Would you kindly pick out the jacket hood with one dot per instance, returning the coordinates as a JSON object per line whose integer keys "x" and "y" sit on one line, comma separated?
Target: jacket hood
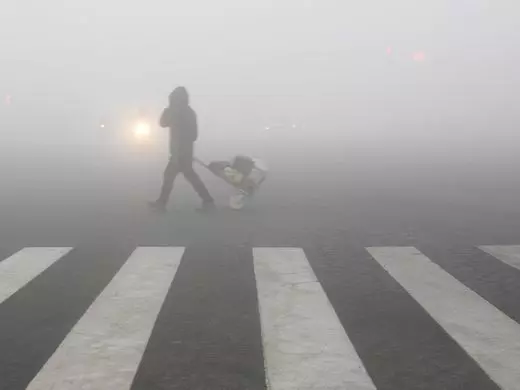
{"x": 179, "y": 97}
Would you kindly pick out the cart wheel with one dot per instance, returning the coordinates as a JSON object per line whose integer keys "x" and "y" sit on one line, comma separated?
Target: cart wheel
{"x": 236, "y": 202}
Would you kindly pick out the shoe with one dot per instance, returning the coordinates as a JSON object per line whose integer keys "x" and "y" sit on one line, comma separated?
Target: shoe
{"x": 157, "y": 207}
{"x": 207, "y": 207}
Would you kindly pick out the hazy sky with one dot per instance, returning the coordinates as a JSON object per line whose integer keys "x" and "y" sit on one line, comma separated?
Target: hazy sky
{"x": 336, "y": 64}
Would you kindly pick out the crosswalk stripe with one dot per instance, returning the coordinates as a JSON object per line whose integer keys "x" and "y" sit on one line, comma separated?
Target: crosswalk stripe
{"x": 207, "y": 335}
{"x": 509, "y": 254}
{"x": 104, "y": 348}
{"x": 490, "y": 337}
{"x": 401, "y": 346}
{"x": 23, "y": 266}
{"x": 305, "y": 345}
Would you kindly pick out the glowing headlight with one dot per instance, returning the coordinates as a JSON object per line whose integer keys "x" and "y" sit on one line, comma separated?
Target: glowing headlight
{"x": 142, "y": 130}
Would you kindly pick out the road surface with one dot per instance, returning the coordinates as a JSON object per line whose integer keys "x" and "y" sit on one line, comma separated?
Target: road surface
{"x": 389, "y": 279}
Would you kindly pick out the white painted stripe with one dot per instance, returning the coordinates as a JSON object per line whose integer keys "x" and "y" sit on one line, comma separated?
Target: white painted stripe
{"x": 305, "y": 345}
{"x": 509, "y": 254}
{"x": 22, "y": 267}
{"x": 489, "y": 336}
{"x": 104, "y": 348}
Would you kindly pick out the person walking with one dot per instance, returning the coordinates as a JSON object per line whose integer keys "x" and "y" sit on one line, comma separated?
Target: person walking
{"x": 181, "y": 119}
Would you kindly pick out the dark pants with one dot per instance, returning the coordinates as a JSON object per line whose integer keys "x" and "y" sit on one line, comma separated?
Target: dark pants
{"x": 182, "y": 162}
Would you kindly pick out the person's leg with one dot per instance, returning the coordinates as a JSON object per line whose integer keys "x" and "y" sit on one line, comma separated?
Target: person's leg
{"x": 186, "y": 167}
{"x": 170, "y": 173}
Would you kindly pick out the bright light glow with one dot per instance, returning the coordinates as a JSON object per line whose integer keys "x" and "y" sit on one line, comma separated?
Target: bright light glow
{"x": 102, "y": 125}
{"x": 142, "y": 131}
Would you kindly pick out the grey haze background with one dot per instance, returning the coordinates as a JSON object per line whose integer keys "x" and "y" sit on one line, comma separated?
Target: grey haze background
{"x": 343, "y": 71}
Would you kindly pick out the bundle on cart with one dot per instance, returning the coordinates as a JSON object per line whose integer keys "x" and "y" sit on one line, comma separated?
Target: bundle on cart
{"x": 244, "y": 173}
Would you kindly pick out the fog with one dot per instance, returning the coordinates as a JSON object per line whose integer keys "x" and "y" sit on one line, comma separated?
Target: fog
{"x": 430, "y": 86}
{"x": 382, "y": 250}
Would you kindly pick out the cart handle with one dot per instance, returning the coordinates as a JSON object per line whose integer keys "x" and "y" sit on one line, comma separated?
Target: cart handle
{"x": 199, "y": 161}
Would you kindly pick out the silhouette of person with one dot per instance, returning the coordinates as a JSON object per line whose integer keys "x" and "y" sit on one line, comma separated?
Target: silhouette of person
{"x": 181, "y": 119}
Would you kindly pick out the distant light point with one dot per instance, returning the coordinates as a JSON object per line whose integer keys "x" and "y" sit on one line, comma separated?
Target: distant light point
{"x": 419, "y": 56}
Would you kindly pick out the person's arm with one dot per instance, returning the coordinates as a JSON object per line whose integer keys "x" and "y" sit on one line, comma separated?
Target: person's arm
{"x": 165, "y": 118}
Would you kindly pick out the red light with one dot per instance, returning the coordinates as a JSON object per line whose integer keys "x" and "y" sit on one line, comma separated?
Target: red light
{"x": 419, "y": 56}
{"x": 389, "y": 50}
{"x": 8, "y": 100}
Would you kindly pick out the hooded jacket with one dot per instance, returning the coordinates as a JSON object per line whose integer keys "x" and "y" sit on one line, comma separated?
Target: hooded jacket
{"x": 180, "y": 118}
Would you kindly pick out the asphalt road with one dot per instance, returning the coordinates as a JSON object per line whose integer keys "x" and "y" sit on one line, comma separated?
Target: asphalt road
{"x": 212, "y": 328}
